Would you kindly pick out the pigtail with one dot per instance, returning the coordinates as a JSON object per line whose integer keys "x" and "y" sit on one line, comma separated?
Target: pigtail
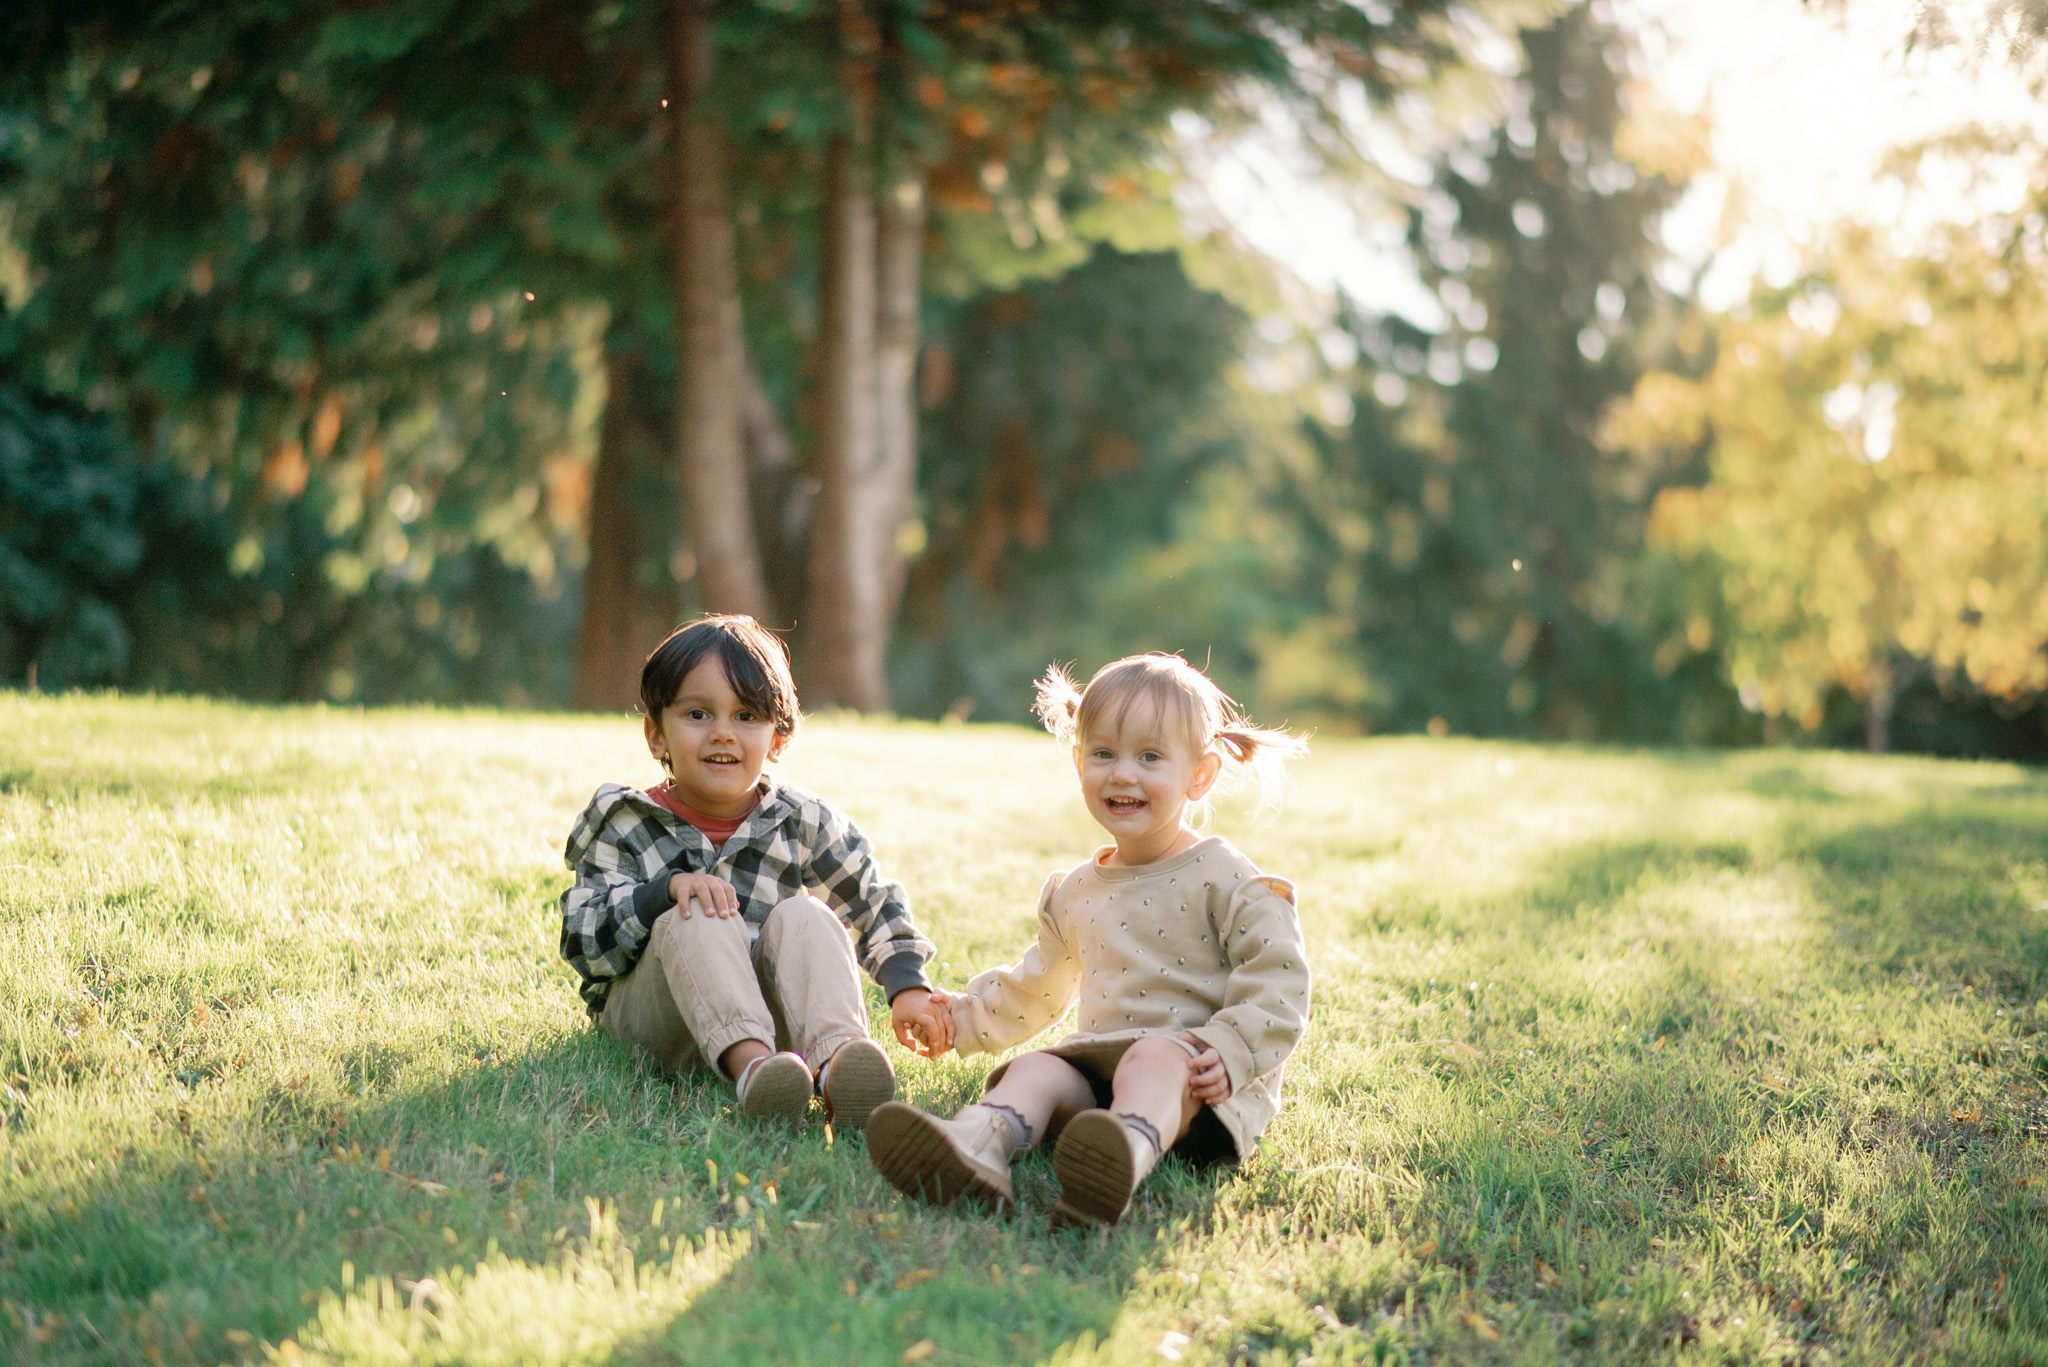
{"x": 1058, "y": 704}
{"x": 1259, "y": 752}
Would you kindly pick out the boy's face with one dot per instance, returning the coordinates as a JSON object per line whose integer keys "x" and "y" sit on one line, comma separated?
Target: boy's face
{"x": 1138, "y": 778}
{"x": 713, "y": 743}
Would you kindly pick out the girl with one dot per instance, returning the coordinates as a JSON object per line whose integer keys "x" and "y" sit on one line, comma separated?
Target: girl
{"x": 1186, "y": 960}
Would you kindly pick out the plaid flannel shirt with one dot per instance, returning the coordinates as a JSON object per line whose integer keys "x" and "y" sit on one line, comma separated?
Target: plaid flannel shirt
{"x": 626, "y": 845}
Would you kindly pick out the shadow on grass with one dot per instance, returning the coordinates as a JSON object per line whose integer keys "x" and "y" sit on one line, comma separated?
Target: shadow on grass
{"x": 1938, "y": 892}
{"x": 1643, "y": 1143}
{"x": 244, "y": 1228}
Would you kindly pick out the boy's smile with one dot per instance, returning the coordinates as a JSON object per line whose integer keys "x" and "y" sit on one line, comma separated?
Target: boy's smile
{"x": 714, "y": 743}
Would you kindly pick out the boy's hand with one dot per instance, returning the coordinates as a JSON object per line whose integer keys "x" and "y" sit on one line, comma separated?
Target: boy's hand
{"x": 1208, "y": 1079}
{"x": 923, "y": 1021}
{"x": 716, "y": 896}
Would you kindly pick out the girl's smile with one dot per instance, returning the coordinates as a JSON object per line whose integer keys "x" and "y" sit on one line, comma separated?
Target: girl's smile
{"x": 1138, "y": 781}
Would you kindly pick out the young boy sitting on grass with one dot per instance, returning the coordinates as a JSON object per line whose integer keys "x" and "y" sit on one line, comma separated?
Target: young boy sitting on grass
{"x": 690, "y": 922}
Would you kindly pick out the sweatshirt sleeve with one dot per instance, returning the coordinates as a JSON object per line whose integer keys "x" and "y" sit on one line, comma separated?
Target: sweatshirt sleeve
{"x": 1266, "y": 998}
{"x": 607, "y": 913}
{"x": 1001, "y": 1007}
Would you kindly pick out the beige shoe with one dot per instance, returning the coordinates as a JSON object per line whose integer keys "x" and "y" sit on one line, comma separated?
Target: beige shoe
{"x": 776, "y": 1088}
{"x": 855, "y": 1080}
{"x": 942, "y": 1161}
{"x": 1099, "y": 1162}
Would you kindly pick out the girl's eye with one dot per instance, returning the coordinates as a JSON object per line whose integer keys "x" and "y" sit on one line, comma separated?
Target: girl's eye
{"x": 1100, "y": 754}
{"x": 1150, "y": 757}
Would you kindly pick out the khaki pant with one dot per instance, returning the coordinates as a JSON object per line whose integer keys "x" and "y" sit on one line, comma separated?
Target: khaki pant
{"x": 699, "y": 988}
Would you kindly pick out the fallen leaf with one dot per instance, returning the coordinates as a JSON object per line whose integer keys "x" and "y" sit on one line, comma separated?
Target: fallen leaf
{"x": 919, "y": 1351}
{"x": 1426, "y": 1249}
{"x": 852, "y": 1287}
{"x": 915, "y": 1278}
{"x": 1965, "y": 1117}
{"x": 1170, "y": 1345}
{"x": 1478, "y": 1325}
{"x": 383, "y": 1160}
{"x": 1546, "y": 1274}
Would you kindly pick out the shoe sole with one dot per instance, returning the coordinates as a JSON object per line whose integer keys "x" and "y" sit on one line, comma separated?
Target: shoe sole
{"x": 857, "y": 1080}
{"x": 780, "y": 1089}
{"x": 915, "y": 1156}
{"x": 1093, "y": 1164}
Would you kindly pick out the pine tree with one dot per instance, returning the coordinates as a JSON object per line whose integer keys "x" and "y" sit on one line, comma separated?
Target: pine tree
{"x": 1470, "y": 532}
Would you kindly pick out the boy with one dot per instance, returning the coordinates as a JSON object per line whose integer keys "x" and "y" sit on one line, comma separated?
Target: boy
{"x": 689, "y": 920}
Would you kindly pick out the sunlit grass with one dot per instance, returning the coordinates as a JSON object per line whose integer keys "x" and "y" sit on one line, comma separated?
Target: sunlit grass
{"x": 1617, "y": 1057}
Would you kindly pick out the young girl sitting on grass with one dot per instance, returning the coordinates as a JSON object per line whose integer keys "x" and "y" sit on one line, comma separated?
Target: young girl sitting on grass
{"x": 1186, "y": 960}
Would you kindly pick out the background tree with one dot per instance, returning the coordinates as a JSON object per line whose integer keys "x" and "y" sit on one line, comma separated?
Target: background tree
{"x": 1468, "y": 538}
{"x": 1878, "y": 460}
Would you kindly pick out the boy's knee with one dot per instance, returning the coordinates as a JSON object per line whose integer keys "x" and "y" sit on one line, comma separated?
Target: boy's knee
{"x": 673, "y": 927}
{"x": 801, "y": 916}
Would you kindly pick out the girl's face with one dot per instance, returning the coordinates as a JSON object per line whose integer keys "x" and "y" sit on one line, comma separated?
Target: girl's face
{"x": 713, "y": 743}
{"x": 1138, "y": 780}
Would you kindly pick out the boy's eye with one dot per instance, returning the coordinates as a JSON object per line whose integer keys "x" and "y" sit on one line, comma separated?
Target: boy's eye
{"x": 1100, "y": 754}
{"x": 745, "y": 715}
{"x": 697, "y": 714}
{"x": 1150, "y": 757}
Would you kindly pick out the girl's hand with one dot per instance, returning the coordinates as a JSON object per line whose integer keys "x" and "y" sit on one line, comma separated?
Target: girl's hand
{"x": 716, "y": 896}
{"x": 923, "y": 1020}
{"x": 1208, "y": 1079}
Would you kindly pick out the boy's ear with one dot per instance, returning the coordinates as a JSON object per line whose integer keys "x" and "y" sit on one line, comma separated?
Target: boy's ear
{"x": 1207, "y": 769}
{"x": 656, "y": 746}
{"x": 777, "y": 746}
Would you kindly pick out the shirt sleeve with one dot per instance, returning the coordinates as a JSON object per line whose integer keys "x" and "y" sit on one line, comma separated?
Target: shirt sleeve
{"x": 1001, "y": 1007}
{"x": 607, "y": 914}
{"x": 875, "y": 909}
{"x": 1266, "y": 997}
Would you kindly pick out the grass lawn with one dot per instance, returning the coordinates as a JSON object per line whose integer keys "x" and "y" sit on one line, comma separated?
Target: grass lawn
{"x": 1616, "y": 1057}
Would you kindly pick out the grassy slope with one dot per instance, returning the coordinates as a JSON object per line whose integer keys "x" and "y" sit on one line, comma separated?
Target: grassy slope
{"x": 1616, "y": 1057}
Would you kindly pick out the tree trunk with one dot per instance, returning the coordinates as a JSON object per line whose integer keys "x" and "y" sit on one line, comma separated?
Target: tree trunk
{"x": 897, "y": 328}
{"x": 1877, "y": 711}
{"x": 601, "y": 637}
{"x": 710, "y": 342}
{"x": 623, "y": 617}
{"x": 844, "y": 631}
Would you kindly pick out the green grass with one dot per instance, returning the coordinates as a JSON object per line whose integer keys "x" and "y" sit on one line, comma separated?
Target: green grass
{"x": 1616, "y": 1057}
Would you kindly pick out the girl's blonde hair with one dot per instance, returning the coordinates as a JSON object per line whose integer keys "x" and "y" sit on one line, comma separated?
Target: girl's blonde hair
{"x": 1185, "y": 698}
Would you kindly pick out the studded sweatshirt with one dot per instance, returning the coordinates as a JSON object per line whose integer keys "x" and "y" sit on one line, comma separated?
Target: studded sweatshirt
{"x": 1200, "y": 942}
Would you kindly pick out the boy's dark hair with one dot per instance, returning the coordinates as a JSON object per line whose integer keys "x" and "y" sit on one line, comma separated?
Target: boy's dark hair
{"x": 755, "y": 661}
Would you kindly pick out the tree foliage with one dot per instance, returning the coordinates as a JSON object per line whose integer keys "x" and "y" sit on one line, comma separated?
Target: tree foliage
{"x": 1467, "y": 539}
{"x": 1877, "y": 445}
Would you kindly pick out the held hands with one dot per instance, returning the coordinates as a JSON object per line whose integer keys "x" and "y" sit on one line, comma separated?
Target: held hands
{"x": 714, "y": 896}
{"x": 923, "y": 1021}
{"x": 1208, "y": 1079}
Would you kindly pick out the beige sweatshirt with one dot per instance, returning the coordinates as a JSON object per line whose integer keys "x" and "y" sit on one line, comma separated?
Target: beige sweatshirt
{"x": 1201, "y": 942}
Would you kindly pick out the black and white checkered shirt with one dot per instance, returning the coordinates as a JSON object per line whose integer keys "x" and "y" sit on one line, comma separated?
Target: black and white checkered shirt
{"x": 626, "y": 845}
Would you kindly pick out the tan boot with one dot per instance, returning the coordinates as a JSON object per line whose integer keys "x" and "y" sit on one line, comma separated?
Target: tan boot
{"x": 778, "y": 1087}
{"x": 1099, "y": 1162}
{"x": 942, "y": 1161}
{"x": 855, "y": 1080}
